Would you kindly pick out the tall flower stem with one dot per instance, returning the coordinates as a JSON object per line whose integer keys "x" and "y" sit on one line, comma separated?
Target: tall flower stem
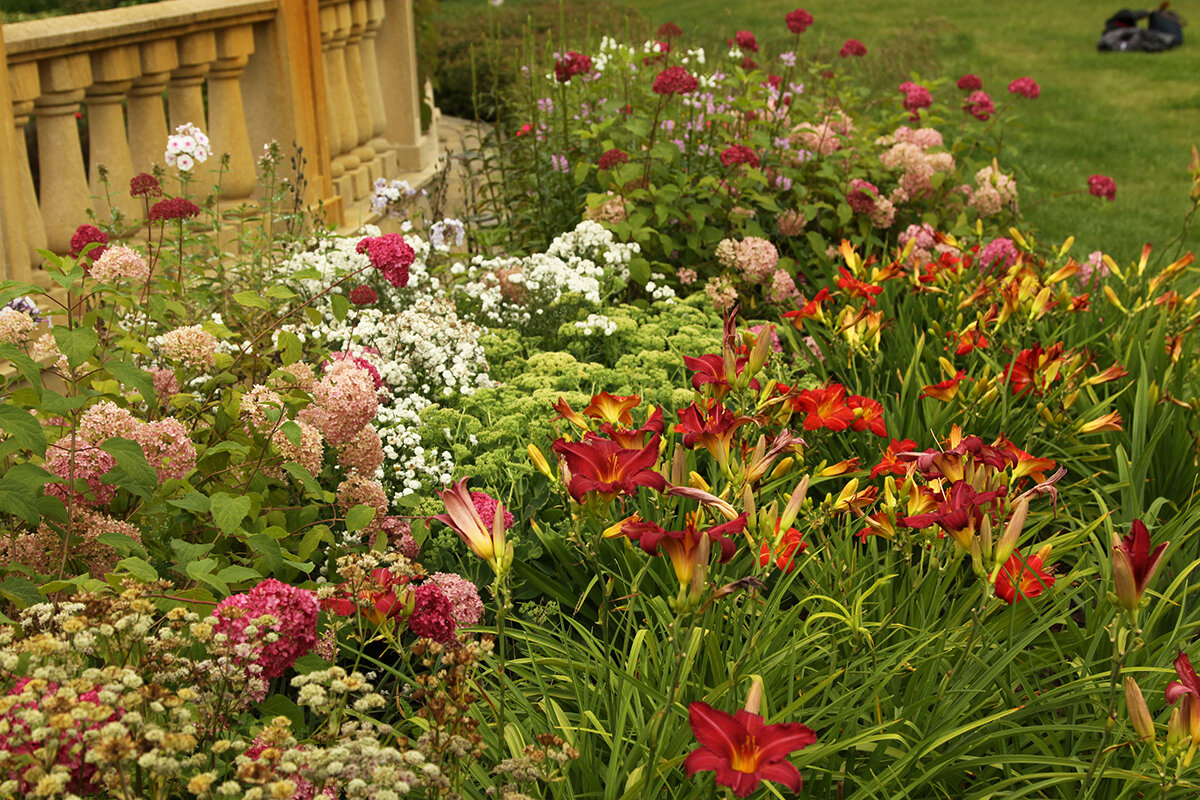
{"x": 1121, "y": 639}
{"x": 501, "y": 591}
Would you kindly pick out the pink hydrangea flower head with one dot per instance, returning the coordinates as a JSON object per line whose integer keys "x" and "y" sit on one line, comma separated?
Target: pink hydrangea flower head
{"x": 310, "y": 453}
{"x": 362, "y": 454}
{"x": 83, "y": 461}
{"x": 85, "y": 235}
{"x": 853, "y": 47}
{"x": 979, "y": 105}
{"x": 263, "y": 407}
{"x": 361, "y": 362}
{"x": 999, "y": 254}
{"x": 465, "y": 606}
{"x": 884, "y": 213}
{"x": 191, "y": 345}
{"x": 105, "y": 420}
{"x": 970, "y": 82}
{"x": 168, "y": 448}
{"x": 120, "y": 263}
{"x": 363, "y": 490}
{"x": 791, "y": 223}
{"x": 15, "y": 326}
{"x": 432, "y": 616}
{"x": 1102, "y": 186}
{"x": 739, "y": 154}
{"x": 798, "y": 21}
{"x": 486, "y": 505}
{"x": 344, "y": 400}
{"x": 756, "y": 258}
{"x": 295, "y": 613}
{"x": 675, "y": 80}
{"x": 166, "y": 385}
{"x": 1026, "y": 87}
{"x": 389, "y": 254}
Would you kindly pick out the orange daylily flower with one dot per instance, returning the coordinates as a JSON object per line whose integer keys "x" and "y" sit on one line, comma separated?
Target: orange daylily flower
{"x": 611, "y": 408}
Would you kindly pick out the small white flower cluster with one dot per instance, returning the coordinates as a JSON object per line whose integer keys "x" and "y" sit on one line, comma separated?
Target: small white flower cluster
{"x": 696, "y": 55}
{"x": 597, "y": 322}
{"x": 410, "y": 465}
{"x": 444, "y": 231}
{"x": 658, "y": 289}
{"x": 187, "y": 147}
{"x": 391, "y": 197}
{"x": 332, "y": 259}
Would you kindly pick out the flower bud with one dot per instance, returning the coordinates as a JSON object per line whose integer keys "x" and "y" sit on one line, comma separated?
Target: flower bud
{"x": 1012, "y": 532}
{"x": 754, "y": 696}
{"x": 539, "y": 461}
{"x": 1139, "y": 714}
{"x": 794, "y": 504}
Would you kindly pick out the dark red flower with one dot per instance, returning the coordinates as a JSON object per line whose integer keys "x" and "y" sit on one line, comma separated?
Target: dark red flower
{"x": 916, "y": 96}
{"x": 743, "y": 751}
{"x": 747, "y": 64}
{"x": 570, "y": 65}
{"x": 1188, "y": 688}
{"x": 681, "y": 546}
{"x": 389, "y": 254}
{"x": 711, "y": 427}
{"x": 144, "y": 185}
{"x": 1026, "y": 87}
{"x": 431, "y": 617}
{"x": 1103, "y": 186}
{"x": 798, "y": 21}
{"x": 824, "y": 408}
{"x": 1022, "y": 578}
{"x": 602, "y": 466}
{"x": 739, "y": 154}
{"x": 1134, "y": 564}
{"x": 970, "y": 83}
{"x": 745, "y": 41}
{"x": 675, "y": 80}
{"x": 668, "y": 30}
{"x": 612, "y": 158}
{"x": 363, "y": 295}
{"x": 85, "y": 235}
{"x": 852, "y": 47}
{"x": 635, "y": 438}
{"x": 173, "y": 208}
{"x": 979, "y": 105}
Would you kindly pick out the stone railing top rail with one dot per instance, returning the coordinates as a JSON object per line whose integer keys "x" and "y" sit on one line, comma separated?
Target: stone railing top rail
{"x": 43, "y": 38}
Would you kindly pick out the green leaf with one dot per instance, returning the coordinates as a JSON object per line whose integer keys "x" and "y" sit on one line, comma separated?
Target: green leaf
{"x": 136, "y": 377}
{"x": 236, "y": 574}
{"x": 279, "y": 292}
{"x": 340, "y": 305}
{"x": 30, "y": 371}
{"x": 359, "y": 517}
{"x": 312, "y": 537}
{"x": 302, "y": 476}
{"x": 18, "y": 492}
{"x": 203, "y": 571}
{"x": 251, "y": 299}
{"x": 269, "y": 549}
{"x": 310, "y": 663}
{"x": 280, "y": 705}
{"x": 844, "y": 213}
{"x": 229, "y": 511}
{"x": 290, "y": 349}
{"x": 139, "y": 569}
{"x": 292, "y": 431}
{"x": 192, "y": 501}
{"x": 639, "y": 270}
{"x": 122, "y": 543}
{"x": 24, "y": 428}
{"x": 77, "y": 344}
{"x": 816, "y": 242}
{"x": 131, "y": 472}
{"x": 21, "y": 591}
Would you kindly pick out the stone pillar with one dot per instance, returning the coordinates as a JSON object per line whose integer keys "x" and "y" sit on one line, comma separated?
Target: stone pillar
{"x": 374, "y": 85}
{"x": 355, "y": 181}
{"x": 185, "y": 93}
{"x": 333, "y": 122}
{"x": 226, "y": 112}
{"x": 358, "y": 89}
{"x": 147, "y": 115}
{"x": 14, "y": 246}
{"x": 25, "y": 87}
{"x": 65, "y": 196}
{"x": 113, "y": 71}
{"x": 396, "y": 53}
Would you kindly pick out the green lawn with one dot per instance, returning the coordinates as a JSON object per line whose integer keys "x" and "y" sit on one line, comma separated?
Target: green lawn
{"x": 1132, "y": 116}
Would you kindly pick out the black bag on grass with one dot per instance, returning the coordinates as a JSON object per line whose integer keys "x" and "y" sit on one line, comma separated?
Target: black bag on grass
{"x": 1122, "y": 33}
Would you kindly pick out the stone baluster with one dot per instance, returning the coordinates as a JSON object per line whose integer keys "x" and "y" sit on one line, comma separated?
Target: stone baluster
{"x": 185, "y": 93}
{"x": 64, "y": 192}
{"x": 334, "y": 124}
{"x": 226, "y": 112}
{"x": 355, "y": 179}
{"x": 25, "y": 86}
{"x": 147, "y": 112}
{"x": 397, "y": 57}
{"x": 374, "y": 84}
{"x": 358, "y": 88}
{"x": 113, "y": 71}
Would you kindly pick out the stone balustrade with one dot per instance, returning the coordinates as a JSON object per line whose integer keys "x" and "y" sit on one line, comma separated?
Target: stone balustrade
{"x": 336, "y": 77}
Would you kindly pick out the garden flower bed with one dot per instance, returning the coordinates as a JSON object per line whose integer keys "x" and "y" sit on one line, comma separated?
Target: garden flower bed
{"x": 762, "y": 449}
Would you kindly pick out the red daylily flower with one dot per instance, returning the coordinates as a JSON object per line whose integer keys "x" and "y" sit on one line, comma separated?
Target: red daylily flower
{"x": 1025, "y": 463}
{"x": 378, "y": 602}
{"x": 809, "y": 309}
{"x": 612, "y": 408}
{"x": 710, "y": 370}
{"x": 712, "y": 428}
{"x": 790, "y": 545}
{"x": 635, "y": 438}
{"x": 868, "y": 415}
{"x": 967, "y": 341}
{"x": 680, "y": 546}
{"x": 1022, "y": 578}
{"x": 743, "y": 751}
{"x": 825, "y": 408}
{"x": 463, "y": 517}
{"x": 889, "y": 462}
{"x": 856, "y": 288}
{"x": 1188, "y": 688}
{"x": 959, "y": 513}
{"x": 1134, "y": 564}
{"x": 947, "y": 389}
{"x": 569, "y": 414}
{"x": 602, "y": 466}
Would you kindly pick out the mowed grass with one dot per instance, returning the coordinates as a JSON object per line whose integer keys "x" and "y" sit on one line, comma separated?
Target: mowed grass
{"x": 1132, "y": 116}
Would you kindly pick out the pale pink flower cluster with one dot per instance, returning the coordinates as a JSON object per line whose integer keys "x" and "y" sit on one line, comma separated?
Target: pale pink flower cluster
{"x": 344, "y": 400}
{"x": 45, "y": 350}
{"x": 166, "y": 444}
{"x": 999, "y": 254}
{"x": 783, "y": 287}
{"x": 1093, "y": 267}
{"x": 923, "y": 237}
{"x": 754, "y": 257}
{"x": 995, "y": 191}
{"x": 610, "y": 211}
{"x": 720, "y": 290}
{"x": 686, "y": 275}
{"x": 41, "y": 550}
{"x": 825, "y": 137}
{"x": 363, "y": 453}
{"x": 187, "y": 147}
{"x": 166, "y": 385}
{"x": 909, "y": 151}
{"x": 120, "y": 263}
{"x": 78, "y": 459}
{"x": 15, "y": 326}
{"x": 465, "y": 605}
{"x": 191, "y": 345}
{"x": 263, "y": 407}
{"x": 294, "y": 612}
{"x": 310, "y": 454}
{"x": 359, "y": 490}
{"x": 791, "y": 223}
{"x": 301, "y": 377}
{"x": 884, "y": 213}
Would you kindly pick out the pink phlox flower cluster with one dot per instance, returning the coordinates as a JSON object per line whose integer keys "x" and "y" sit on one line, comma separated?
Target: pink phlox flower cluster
{"x": 980, "y": 106}
{"x": 916, "y": 97}
{"x": 465, "y": 606}
{"x": 389, "y": 254}
{"x": 995, "y": 191}
{"x": 15, "y": 326}
{"x": 1026, "y": 87}
{"x": 486, "y": 505}
{"x": 80, "y": 460}
{"x": 187, "y": 147}
{"x": 120, "y": 263}
{"x": 360, "y": 490}
{"x": 432, "y": 617}
{"x": 998, "y": 254}
{"x": 262, "y": 407}
{"x": 295, "y": 623}
{"x": 310, "y": 453}
{"x": 1092, "y": 267}
{"x": 362, "y": 454}
{"x": 191, "y": 345}
{"x": 344, "y": 400}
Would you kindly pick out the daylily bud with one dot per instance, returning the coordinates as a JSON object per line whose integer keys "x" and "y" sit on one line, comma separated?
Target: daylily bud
{"x": 793, "y": 505}
{"x": 754, "y": 697}
{"x": 1139, "y": 714}
{"x": 985, "y": 536}
{"x": 696, "y": 480}
{"x": 1176, "y": 729}
{"x": 678, "y": 465}
{"x": 748, "y": 505}
{"x": 539, "y": 461}
{"x": 782, "y": 467}
{"x": 1012, "y": 532}
{"x": 503, "y": 550}
{"x": 758, "y": 356}
{"x": 700, "y": 571}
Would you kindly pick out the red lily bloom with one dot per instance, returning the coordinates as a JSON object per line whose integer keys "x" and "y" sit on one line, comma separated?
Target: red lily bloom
{"x": 743, "y": 751}
{"x": 868, "y": 415}
{"x": 1025, "y": 463}
{"x": 856, "y": 288}
{"x": 790, "y": 545}
{"x": 825, "y": 407}
{"x": 680, "y": 546}
{"x": 612, "y": 408}
{"x": 712, "y": 428}
{"x": 710, "y": 369}
{"x": 809, "y": 309}
{"x": 635, "y": 438}
{"x": 569, "y": 414}
{"x": 602, "y": 466}
{"x": 1134, "y": 565}
{"x": 947, "y": 389}
{"x": 1022, "y": 578}
{"x": 1188, "y": 688}
{"x": 959, "y": 513}
{"x": 889, "y": 462}
{"x": 378, "y": 602}
{"x": 967, "y": 341}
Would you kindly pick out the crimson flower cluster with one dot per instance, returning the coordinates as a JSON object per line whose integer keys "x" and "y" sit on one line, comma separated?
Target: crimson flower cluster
{"x": 916, "y": 97}
{"x": 85, "y": 235}
{"x": 798, "y": 21}
{"x": 669, "y": 30}
{"x": 745, "y": 41}
{"x": 1026, "y": 87}
{"x": 1102, "y": 186}
{"x": 612, "y": 158}
{"x": 852, "y": 47}
{"x": 970, "y": 82}
{"x": 979, "y": 105}
{"x": 144, "y": 185}
{"x": 363, "y": 295}
{"x": 173, "y": 208}
{"x": 739, "y": 154}
{"x": 570, "y": 65}
{"x": 675, "y": 80}
{"x": 389, "y": 254}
